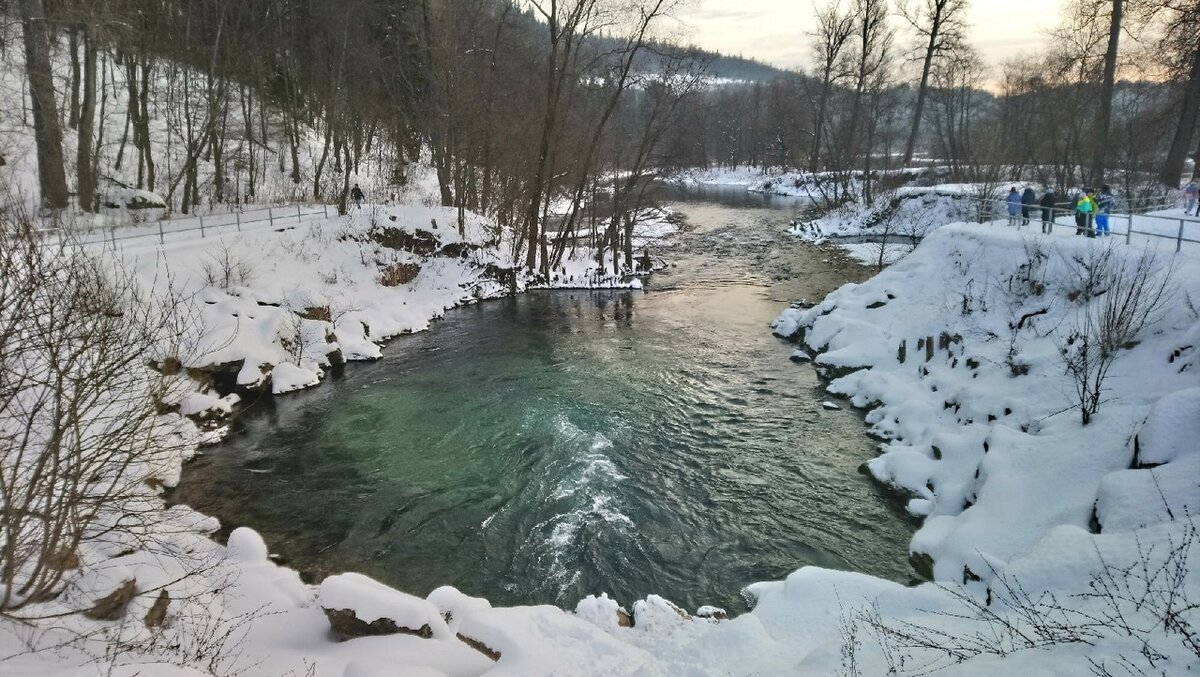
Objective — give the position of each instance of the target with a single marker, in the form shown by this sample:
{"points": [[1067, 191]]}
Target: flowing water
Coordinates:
{"points": [[541, 448]]}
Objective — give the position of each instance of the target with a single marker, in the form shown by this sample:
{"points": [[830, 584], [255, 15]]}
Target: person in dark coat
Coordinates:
{"points": [[1028, 200], [1048, 211], [356, 194]]}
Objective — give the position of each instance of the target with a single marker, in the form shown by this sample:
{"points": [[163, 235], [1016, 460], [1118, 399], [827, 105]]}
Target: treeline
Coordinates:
{"points": [[528, 108], [888, 81], [522, 107]]}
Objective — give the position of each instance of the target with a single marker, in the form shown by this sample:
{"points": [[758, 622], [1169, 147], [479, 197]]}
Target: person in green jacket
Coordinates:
{"points": [[1085, 210]]}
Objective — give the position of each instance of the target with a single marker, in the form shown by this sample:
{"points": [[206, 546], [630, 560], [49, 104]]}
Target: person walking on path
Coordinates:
{"points": [[1085, 208], [1028, 200], [1189, 198], [356, 194], [1104, 207], [1014, 205], [1048, 212]]}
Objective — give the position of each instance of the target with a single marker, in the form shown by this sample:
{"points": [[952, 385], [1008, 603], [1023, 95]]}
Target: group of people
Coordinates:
{"points": [[1091, 210]]}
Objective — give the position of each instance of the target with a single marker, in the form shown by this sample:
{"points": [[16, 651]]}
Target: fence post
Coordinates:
{"points": [[271, 217], [201, 226], [238, 215], [112, 233], [1128, 228], [1179, 238], [160, 233], [298, 217], [326, 210]]}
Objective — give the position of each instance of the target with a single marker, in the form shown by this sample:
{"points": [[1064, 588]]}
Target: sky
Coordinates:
{"points": [[776, 31]]}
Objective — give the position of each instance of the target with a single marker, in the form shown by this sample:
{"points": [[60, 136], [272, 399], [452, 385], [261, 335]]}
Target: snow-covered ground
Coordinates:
{"points": [[1007, 478], [980, 428]]}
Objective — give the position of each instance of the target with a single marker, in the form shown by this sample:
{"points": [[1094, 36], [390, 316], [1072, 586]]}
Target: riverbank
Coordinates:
{"points": [[967, 356], [231, 608]]}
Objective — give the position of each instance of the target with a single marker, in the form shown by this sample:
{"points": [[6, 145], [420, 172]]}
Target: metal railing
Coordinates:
{"points": [[1180, 229], [264, 218]]}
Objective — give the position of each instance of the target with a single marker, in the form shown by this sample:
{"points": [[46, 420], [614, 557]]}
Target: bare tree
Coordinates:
{"points": [[834, 30], [81, 406], [52, 175], [1121, 297], [1104, 114], [939, 25]]}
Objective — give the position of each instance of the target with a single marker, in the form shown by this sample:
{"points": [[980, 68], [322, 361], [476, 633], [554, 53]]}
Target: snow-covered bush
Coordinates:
{"points": [[1130, 295], [81, 423], [225, 270]]}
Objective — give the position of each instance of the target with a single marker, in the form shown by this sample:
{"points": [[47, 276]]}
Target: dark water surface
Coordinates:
{"points": [[545, 447]]}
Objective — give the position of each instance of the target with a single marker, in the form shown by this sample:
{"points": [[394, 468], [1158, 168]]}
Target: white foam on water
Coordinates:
{"points": [[586, 479]]}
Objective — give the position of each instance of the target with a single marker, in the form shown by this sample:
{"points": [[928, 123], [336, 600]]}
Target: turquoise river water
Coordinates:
{"points": [[541, 448]]}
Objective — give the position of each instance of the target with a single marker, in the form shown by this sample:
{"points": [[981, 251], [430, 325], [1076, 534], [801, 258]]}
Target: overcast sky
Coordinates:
{"points": [[775, 31]]}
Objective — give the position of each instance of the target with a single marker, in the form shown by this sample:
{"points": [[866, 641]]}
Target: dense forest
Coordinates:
{"points": [[527, 109]]}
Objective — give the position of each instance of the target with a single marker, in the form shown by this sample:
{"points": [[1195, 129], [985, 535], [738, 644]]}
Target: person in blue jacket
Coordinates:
{"points": [[1014, 205], [1104, 207]]}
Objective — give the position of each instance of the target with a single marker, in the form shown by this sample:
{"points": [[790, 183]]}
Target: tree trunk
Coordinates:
{"points": [[923, 88], [1104, 116], [52, 177], [320, 168], [87, 116], [1172, 167], [73, 48], [143, 123]]}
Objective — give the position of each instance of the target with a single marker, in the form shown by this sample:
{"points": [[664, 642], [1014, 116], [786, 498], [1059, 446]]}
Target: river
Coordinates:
{"points": [[540, 448]]}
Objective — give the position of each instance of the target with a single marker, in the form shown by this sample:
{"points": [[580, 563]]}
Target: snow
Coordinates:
{"points": [[371, 600], [1005, 480]]}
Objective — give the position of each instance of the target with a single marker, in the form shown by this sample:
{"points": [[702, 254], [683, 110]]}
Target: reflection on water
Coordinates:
{"points": [[542, 448]]}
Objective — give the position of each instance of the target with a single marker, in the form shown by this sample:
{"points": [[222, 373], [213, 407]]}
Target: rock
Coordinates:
{"points": [[359, 606], [158, 612], [479, 646], [133, 199], [336, 358], [321, 313], [347, 625], [456, 250], [922, 563], [63, 560], [422, 242], [830, 405], [112, 606], [624, 620], [712, 612], [799, 357], [399, 273], [169, 366]]}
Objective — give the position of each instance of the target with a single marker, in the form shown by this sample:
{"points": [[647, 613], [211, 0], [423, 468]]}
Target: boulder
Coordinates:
{"points": [[158, 611], [359, 606], [112, 606], [397, 274], [421, 242]]}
